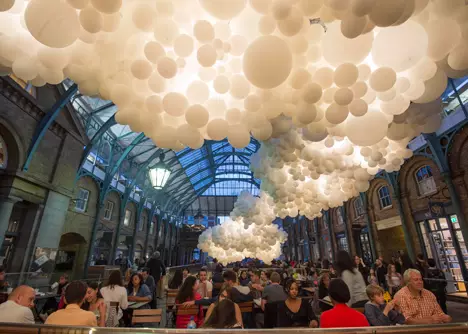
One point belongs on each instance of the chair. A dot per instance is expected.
(245, 307)
(191, 310)
(171, 295)
(113, 312)
(147, 316)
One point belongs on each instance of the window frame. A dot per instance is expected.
(129, 220)
(79, 199)
(151, 231)
(143, 222)
(106, 210)
(424, 180)
(361, 207)
(384, 197)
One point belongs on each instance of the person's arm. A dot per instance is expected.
(123, 303)
(209, 311)
(346, 276)
(163, 270)
(375, 316)
(239, 315)
(102, 314)
(209, 289)
(28, 316)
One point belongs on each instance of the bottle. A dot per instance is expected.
(191, 324)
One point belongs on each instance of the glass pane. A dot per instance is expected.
(454, 221)
(433, 225)
(443, 223)
(427, 245)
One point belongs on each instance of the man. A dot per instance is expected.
(274, 292)
(101, 261)
(380, 272)
(418, 305)
(385, 264)
(255, 285)
(156, 268)
(205, 288)
(17, 309)
(118, 261)
(73, 315)
(237, 296)
(436, 283)
(148, 279)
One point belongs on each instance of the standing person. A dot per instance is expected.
(341, 315)
(205, 288)
(295, 311)
(188, 292)
(115, 292)
(101, 261)
(418, 305)
(394, 280)
(437, 283)
(17, 309)
(72, 314)
(95, 303)
(380, 273)
(353, 279)
(157, 269)
(359, 263)
(377, 312)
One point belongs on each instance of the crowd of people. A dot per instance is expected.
(344, 293)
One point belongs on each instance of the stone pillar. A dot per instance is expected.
(6, 207)
(411, 225)
(373, 227)
(369, 225)
(349, 231)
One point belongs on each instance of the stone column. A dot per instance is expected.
(373, 229)
(411, 225)
(369, 225)
(6, 207)
(349, 231)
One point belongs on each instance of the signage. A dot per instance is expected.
(388, 223)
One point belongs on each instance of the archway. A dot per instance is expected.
(71, 254)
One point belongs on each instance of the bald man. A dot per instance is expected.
(17, 309)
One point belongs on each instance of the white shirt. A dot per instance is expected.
(204, 291)
(117, 294)
(12, 312)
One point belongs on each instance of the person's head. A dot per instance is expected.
(2, 273)
(344, 262)
(431, 263)
(378, 263)
(230, 277)
(372, 272)
(115, 278)
(223, 315)
(255, 277)
(187, 290)
(325, 280)
(243, 274)
(63, 279)
(23, 295)
(249, 272)
(357, 260)
(76, 292)
(145, 273)
(413, 280)
(120, 255)
(92, 293)
(291, 288)
(381, 258)
(391, 269)
(185, 272)
(101, 256)
(136, 279)
(263, 275)
(275, 277)
(156, 255)
(225, 292)
(338, 291)
(176, 280)
(375, 294)
(203, 275)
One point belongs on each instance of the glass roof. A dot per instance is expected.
(216, 169)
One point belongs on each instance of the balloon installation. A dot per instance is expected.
(335, 89)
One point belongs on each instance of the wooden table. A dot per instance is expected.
(136, 305)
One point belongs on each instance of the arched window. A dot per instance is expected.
(425, 180)
(358, 207)
(384, 197)
(3, 154)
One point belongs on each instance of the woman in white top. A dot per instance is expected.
(394, 279)
(353, 279)
(115, 292)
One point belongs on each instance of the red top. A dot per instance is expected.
(343, 316)
(183, 320)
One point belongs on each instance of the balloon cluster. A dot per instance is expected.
(248, 233)
(183, 71)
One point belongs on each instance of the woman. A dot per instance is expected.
(95, 303)
(323, 292)
(353, 279)
(188, 292)
(372, 279)
(138, 291)
(394, 279)
(264, 278)
(359, 264)
(243, 278)
(176, 281)
(295, 311)
(114, 292)
(225, 293)
(223, 316)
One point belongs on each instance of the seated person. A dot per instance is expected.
(225, 293)
(377, 312)
(176, 281)
(418, 305)
(188, 292)
(17, 309)
(295, 311)
(95, 303)
(224, 315)
(255, 285)
(230, 278)
(148, 280)
(72, 314)
(341, 315)
(205, 288)
(138, 292)
(324, 283)
(274, 292)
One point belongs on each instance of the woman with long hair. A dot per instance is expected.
(348, 272)
(188, 292)
(243, 278)
(223, 316)
(394, 280)
(114, 292)
(295, 311)
(95, 303)
(176, 281)
(225, 293)
(138, 291)
(324, 283)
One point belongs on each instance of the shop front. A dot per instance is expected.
(391, 237)
(365, 247)
(443, 241)
(341, 241)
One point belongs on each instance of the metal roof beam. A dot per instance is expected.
(102, 108)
